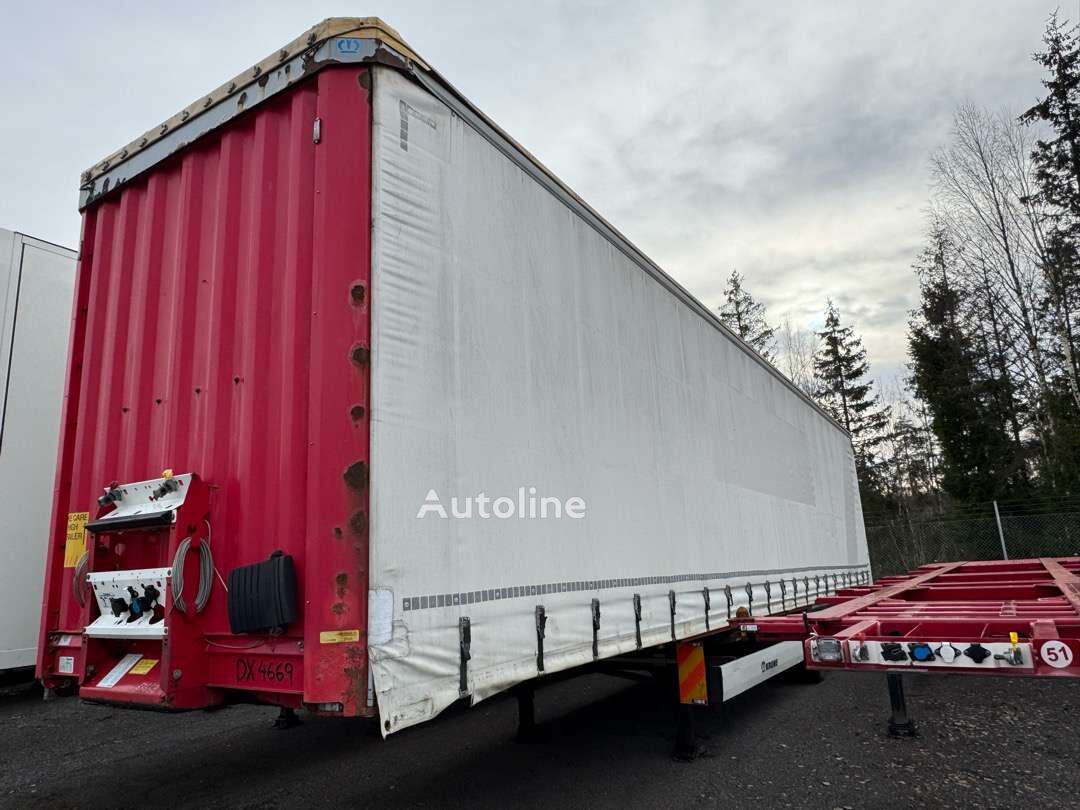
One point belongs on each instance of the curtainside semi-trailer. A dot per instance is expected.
(368, 413)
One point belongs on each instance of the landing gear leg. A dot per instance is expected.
(686, 746)
(526, 706)
(900, 724)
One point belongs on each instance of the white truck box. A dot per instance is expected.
(37, 282)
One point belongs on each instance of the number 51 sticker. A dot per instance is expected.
(1056, 653)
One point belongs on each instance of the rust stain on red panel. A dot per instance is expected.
(337, 483)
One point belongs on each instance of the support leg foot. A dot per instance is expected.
(287, 718)
(900, 724)
(686, 745)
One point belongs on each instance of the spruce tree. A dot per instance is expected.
(980, 460)
(845, 392)
(1056, 196)
(746, 317)
(911, 464)
(1057, 158)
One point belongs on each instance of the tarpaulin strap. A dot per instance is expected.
(730, 600)
(595, 629)
(750, 598)
(541, 625)
(768, 597)
(637, 619)
(795, 590)
(817, 585)
(465, 652)
(708, 604)
(671, 604)
(783, 594)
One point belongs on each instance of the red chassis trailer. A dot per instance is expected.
(1001, 617)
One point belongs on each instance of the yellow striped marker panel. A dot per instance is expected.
(690, 656)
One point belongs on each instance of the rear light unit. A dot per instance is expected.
(827, 650)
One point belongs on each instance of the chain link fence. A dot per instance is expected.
(898, 546)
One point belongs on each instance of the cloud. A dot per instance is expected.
(789, 140)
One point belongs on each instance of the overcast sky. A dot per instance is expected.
(787, 140)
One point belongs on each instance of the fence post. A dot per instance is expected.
(1001, 534)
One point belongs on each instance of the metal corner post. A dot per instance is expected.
(1001, 533)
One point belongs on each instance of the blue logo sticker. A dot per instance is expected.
(350, 45)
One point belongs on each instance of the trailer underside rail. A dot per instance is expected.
(1002, 617)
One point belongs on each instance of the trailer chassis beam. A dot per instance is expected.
(1018, 618)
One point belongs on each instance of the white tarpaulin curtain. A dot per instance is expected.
(514, 347)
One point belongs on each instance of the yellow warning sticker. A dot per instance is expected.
(75, 546)
(338, 636)
(144, 666)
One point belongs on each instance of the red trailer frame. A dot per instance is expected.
(1001, 617)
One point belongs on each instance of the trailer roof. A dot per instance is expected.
(290, 63)
(339, 40)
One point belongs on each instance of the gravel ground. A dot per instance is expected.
(984, 742)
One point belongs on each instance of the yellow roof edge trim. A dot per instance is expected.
(359, 27)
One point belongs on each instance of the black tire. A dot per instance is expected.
(802, 674)
(65, 691)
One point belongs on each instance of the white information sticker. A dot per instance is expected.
(66, 665)
(380, 616)
(120, 670)
(1056, 653)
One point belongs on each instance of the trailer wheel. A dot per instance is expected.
(665, 679)
(802, 674)
(64, 691)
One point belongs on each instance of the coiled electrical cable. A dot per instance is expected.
(206, 575)
(78, 579)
